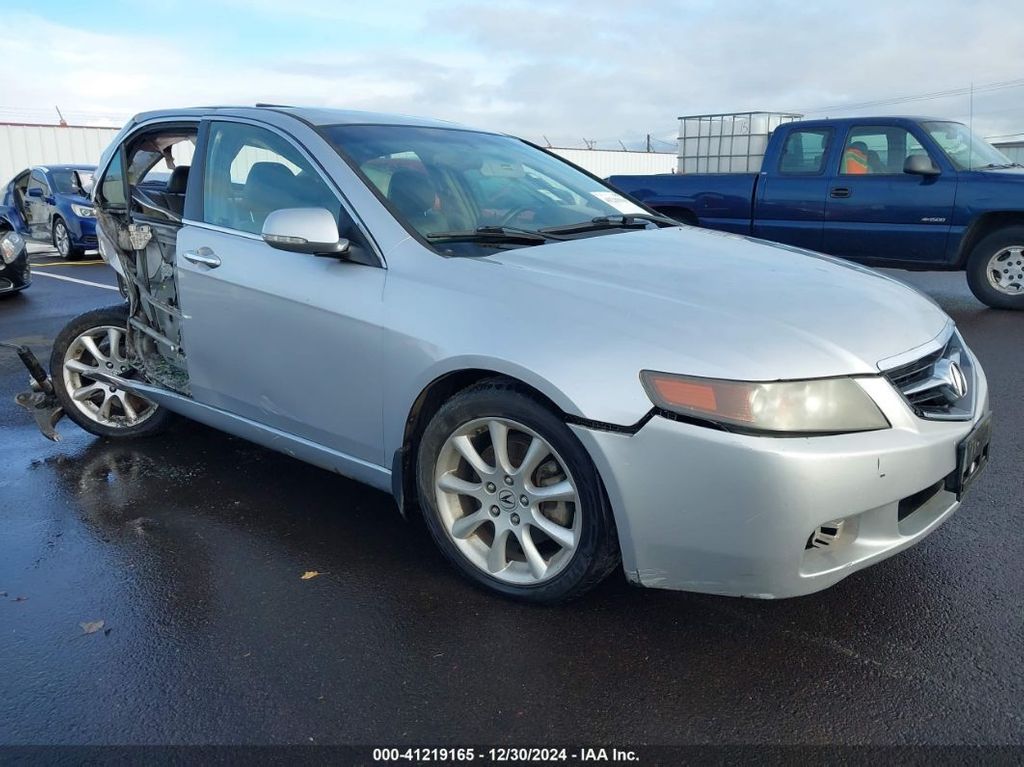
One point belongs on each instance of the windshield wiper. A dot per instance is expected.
(497, 234)
(624, 221)
(995, 166)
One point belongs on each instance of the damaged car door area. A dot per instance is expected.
(140, 215)
(248, 331)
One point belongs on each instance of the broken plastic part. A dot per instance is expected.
(45, 409)
(139, 236)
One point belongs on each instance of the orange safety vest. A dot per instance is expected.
(855, 161)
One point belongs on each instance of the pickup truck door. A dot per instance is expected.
(289, 340)
(877, 213)
(789, 203)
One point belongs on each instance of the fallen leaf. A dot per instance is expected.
(309, 575)
(91, 627)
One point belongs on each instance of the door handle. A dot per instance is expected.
(203, 256)
(840, 191)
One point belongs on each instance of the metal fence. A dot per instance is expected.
(606, 162)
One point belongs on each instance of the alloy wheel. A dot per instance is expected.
(507, 501)
(103, 350)
(1005, 270)
(62, 239)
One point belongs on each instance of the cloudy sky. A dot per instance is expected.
(603, 70)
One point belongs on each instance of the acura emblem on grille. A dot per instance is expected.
(949, 372)
(938, 385)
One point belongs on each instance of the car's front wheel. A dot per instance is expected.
(512, 498)
(96, 342)
(63, 243)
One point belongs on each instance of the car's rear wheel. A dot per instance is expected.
(512, 498)
(96, 342)
(995, 269)
(62, 241)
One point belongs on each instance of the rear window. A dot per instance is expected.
(804, 152)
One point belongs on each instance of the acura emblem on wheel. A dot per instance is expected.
(507, 499)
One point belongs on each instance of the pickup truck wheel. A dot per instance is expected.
(995, 269)
(512, 498)
(97, 342)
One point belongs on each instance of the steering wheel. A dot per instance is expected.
(513, 214)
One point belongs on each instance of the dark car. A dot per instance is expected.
(50, 203)
(14, 268)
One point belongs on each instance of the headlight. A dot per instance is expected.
(12, 245)
(818, 406)
(83, 211)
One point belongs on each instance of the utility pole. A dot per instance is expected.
(648, 142)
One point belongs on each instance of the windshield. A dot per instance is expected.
(72, 181)
(965, 150)
(440, 180)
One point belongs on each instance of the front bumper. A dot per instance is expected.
(83, 232)
(16, 275)
(704, 510)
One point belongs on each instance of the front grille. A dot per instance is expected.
(939, 385)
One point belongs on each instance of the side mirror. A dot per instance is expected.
(304, 230)
(920, 165)
(35, 191)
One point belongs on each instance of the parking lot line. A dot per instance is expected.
(69, 263)
(73, 279)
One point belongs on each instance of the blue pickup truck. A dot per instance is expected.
(911, 193)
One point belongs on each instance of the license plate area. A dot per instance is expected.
(971, 457)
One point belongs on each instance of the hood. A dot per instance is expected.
(1015, 174)
(77, 199)
(713, 304)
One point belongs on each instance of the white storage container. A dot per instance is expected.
(727, 143)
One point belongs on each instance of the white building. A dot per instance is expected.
(23, 145)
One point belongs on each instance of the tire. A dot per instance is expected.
(62, 241)
(582, 548)
(682, 215)
(88, 411)
(1001, 252)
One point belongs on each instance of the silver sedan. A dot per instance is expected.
(560, 381)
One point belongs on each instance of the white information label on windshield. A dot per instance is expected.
(618, 202)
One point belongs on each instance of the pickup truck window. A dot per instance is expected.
(804, 152)
(965, 150)
(878, 150)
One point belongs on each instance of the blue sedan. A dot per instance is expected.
(51, 204)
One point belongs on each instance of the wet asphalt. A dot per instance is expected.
(190, 548)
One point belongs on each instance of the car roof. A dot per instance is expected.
(48, 168)
(872, 120)
(316, 116)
